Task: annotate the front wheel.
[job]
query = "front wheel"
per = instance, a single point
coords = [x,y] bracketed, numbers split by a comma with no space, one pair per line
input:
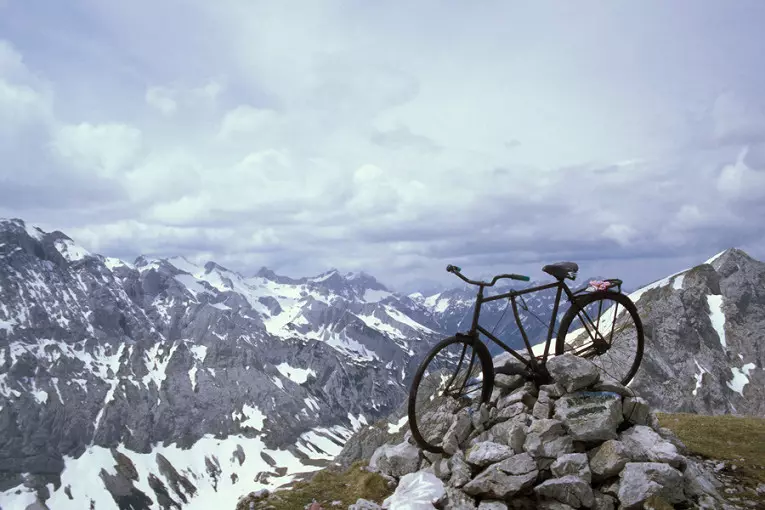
[605,328]
[456,374]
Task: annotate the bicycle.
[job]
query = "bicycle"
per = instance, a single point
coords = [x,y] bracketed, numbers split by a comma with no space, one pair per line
[474,385]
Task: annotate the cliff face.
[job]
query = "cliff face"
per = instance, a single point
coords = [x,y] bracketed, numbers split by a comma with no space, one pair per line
[706,351]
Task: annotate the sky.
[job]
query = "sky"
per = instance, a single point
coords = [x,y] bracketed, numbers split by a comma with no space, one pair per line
[389,137]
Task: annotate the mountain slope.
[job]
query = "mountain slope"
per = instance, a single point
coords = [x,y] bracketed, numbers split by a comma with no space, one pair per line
[708,324]
[163,355]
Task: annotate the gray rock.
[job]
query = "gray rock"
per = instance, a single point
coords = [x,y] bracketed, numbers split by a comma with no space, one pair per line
[610,488]
[603,501]
[480,417]
[458,432]
[396,461]
[700,482]
[553,505]
[508,412]
[461,472]
[555,390]
[636,411]
[608,459]
[455,499]
[572,372]
[492,505]
[542,410]
[511,433]
[642,444]
[572,464]
[493,483]
[570,490]
[364,504]
[487,452]
[641,480]
[524,394]
[508,382]
[590,416]
[547,438]
[519,464]
[442,469]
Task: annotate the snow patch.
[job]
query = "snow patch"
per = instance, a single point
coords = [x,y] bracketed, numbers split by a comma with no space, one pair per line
[219,306]
[740,378]
[298,375]
[716,315]
[394,428]
[699,375]
[112,263]
[678,283]
[70,251]
[254,417]
[709,261]
[188,462]
[357,423]
[192,284]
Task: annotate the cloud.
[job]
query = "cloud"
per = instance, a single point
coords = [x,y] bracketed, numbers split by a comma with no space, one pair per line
[104,149]
[162,99]
[367,138]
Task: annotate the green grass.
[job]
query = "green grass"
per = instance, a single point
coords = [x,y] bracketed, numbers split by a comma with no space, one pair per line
[327,486]
[736,440]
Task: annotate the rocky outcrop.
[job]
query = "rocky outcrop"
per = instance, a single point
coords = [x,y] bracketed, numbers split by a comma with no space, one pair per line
[705,325]
[589,454]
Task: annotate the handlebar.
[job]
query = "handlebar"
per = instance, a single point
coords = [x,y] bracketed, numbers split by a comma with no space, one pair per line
[457,270]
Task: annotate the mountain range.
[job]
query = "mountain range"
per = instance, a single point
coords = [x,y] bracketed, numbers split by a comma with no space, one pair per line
[184,385]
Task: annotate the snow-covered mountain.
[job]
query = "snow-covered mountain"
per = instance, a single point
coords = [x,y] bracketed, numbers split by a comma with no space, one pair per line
[181,384]
[163,375]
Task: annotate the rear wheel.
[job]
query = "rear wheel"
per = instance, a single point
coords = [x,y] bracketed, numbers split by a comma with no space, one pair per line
[605,328]
[456,374]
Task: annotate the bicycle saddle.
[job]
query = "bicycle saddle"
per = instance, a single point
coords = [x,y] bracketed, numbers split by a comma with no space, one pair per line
[561,270]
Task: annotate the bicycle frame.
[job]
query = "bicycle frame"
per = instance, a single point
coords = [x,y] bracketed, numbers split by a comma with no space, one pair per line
[532,362]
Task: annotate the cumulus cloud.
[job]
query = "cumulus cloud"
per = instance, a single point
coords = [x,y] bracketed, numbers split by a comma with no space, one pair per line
[366,138]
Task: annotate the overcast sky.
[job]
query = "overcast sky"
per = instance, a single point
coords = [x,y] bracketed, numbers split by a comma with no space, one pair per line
[392,137]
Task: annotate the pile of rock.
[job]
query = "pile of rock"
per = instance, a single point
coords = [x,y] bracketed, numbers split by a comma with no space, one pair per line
[578,443]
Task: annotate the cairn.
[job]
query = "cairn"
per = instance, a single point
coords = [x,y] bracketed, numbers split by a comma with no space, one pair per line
[580,442]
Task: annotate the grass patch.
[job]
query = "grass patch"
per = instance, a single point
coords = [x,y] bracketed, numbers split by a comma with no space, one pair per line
[737,440]
[326,487]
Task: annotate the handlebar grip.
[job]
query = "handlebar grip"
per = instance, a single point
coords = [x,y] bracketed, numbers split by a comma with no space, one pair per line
[521,277]
[453,269]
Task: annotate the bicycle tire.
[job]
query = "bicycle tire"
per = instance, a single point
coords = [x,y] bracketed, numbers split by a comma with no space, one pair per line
[593,297]
[487,369]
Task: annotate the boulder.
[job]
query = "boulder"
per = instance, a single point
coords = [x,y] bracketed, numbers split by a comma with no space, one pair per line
[642,444]
[570,490]
[608,459]
[396,461]
[590,416]
[487,452]
[458,432]
[504,479]
[641,480]
[461,473]
[572,372]
[572,464]
[636,411]
[547,438]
